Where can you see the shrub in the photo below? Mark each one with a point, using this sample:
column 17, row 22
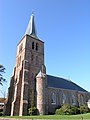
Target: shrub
column 74, row 110
column 84, row 109
column 59, row 112
column 67, row 110
column 63, row 110
column 1, row 113
column 32, row 111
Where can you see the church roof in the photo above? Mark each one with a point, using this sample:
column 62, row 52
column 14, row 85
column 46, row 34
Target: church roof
column 57, row 82
column 31, row 29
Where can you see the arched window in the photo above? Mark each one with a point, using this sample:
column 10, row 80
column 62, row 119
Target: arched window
column 63, row 98
column 53, row 98
column 36, row 46
column 81, row 100
column 73, row 100
column 32, row 45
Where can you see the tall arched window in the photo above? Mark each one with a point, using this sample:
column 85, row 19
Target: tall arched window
column 73, row 100
column 63, row 98
column 53, row 98
column 81, row 100
column 32, row 45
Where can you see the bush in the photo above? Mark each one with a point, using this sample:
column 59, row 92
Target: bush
column 1, row 113
column 67, row 110
column 32, row 111
column 59, row 111
column 74, row 110
column 84, row 109
column 63, row 110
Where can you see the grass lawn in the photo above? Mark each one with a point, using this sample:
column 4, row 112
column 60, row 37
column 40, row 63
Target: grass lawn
column 61, row 117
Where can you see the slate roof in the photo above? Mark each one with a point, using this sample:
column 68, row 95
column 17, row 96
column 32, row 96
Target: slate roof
column 57, row 82
column 31, row 28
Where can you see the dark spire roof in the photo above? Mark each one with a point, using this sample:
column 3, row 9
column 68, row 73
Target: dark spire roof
column 31, row 29
column 57, row 82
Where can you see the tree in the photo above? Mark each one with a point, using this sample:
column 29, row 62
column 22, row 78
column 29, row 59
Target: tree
column 2, row 70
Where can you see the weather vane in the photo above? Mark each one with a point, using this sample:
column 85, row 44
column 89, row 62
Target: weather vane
column 33, row 12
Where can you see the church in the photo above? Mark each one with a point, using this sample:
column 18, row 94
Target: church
column 31, row 86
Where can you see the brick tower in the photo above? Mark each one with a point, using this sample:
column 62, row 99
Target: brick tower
column 29, row 61
column 42, row 93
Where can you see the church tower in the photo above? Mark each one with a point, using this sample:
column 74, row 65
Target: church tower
column 29, row 61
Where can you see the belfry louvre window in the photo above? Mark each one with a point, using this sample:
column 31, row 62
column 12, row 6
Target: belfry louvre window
column 53, row 98
column 32, row 45
column 36, row 46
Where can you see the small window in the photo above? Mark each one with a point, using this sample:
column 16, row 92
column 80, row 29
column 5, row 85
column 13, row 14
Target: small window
column 53, row 98
column 32, row 58
column 18, row 61
column 32, row 75
column 36, row 46
column 32, row 45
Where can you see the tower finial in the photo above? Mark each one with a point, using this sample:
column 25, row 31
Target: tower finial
column 33, row 12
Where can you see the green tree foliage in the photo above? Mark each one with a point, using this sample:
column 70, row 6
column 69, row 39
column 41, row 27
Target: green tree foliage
column 2, row 70
column 84, row 109
column 67, row 110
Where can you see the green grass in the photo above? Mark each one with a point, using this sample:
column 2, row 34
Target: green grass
column 61, row 117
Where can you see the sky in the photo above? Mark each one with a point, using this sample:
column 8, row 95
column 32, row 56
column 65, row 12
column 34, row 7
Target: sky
column 64, row 26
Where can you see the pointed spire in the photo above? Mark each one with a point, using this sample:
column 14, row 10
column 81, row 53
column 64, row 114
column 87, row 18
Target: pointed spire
column 31, row 29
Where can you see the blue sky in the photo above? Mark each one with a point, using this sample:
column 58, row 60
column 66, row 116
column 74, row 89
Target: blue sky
column 64, row 26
